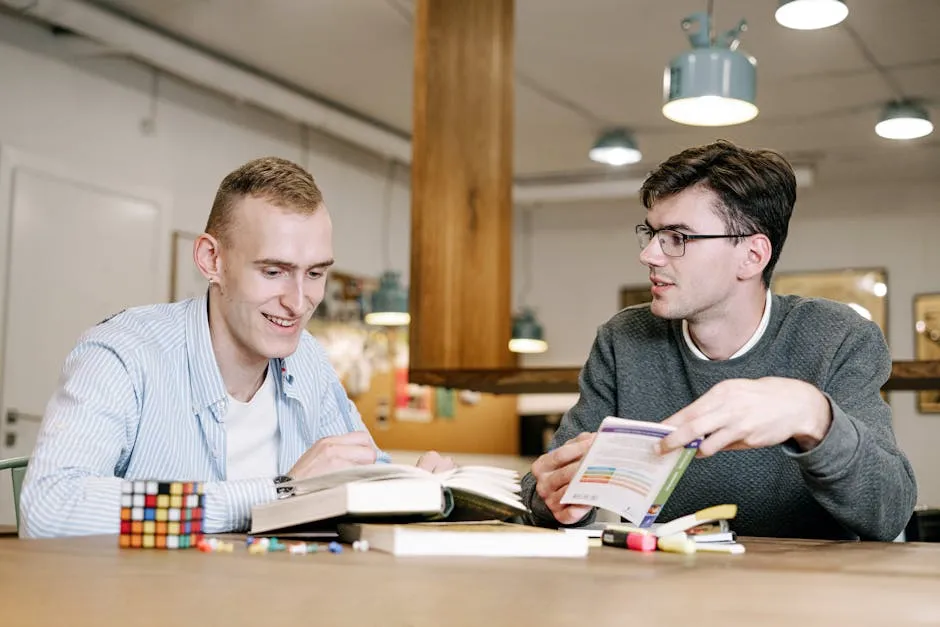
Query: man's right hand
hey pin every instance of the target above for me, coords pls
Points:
(553, 472)
(334, 453)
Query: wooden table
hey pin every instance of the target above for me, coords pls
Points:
(89, 581)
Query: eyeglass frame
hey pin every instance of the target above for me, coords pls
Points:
(686, 237)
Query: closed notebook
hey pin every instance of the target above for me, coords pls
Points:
(469, 539)
(394, 493)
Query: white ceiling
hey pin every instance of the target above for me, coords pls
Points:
(583, 65)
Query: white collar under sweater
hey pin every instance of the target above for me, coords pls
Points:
(764, 321)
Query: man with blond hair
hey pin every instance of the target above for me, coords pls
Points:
(228, 389)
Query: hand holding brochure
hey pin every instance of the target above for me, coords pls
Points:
(623, 473)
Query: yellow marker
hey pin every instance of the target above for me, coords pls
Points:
(676, 543)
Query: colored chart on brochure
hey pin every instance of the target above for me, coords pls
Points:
(623, 473)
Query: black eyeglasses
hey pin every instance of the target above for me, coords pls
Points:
(673, 242)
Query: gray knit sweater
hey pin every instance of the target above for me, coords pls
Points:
(854, 484)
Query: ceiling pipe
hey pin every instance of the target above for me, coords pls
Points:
(186, 62)
(176, 58)
(571, 191)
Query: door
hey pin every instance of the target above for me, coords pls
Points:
(76, 253)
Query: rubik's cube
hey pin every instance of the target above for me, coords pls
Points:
(161, 515)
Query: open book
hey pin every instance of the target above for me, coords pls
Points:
(393, 493)
(623, 473)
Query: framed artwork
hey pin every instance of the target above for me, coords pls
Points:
(865, 290)
(635, 295)
(347, 297)
(186, 281)
(927, 344)
(355, 349)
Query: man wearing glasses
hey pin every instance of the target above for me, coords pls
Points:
(783, 390)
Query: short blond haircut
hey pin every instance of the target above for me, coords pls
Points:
(281, 182)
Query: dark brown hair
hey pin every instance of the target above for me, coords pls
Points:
(756, 189)
(281, 182)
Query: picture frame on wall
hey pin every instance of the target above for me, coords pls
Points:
(635, 295)
(927, 344)
(186, 281)
(863, 289)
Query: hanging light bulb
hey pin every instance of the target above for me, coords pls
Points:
(811, 14)
(713, 84)
(389, 302)
(527, 333)
(904, 120)
(615, 147)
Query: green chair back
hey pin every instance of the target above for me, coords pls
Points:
(17, 466)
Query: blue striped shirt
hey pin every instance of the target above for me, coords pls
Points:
(141, 397)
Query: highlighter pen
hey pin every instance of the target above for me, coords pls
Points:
(677, 543)
(629, 540)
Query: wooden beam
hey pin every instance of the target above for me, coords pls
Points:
(905, 375)
(914, 375)
(461, 186)
(502, 380)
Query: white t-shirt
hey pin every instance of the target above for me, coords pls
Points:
(764, 321)
(251, 434)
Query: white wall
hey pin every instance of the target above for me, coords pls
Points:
(84, 115)
(87, 112)
(584, 254)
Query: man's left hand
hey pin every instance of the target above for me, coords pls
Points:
(751, 413)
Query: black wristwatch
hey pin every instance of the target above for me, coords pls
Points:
(283, 491)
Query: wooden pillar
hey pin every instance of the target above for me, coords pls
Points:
(461, 186)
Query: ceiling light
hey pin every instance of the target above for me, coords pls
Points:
(389, 303)
(527, 334)
(616, 147)
(811, 14)
(904, 120)
(713, 84)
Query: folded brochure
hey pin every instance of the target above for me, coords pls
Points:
(623, 472)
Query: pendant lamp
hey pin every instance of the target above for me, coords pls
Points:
(389, 302)
(713, 84)
(810, 14)
(615, 147)
(389, 306)
(527, 333)
(904, 119)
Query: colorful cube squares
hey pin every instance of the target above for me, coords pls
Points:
(161, 514)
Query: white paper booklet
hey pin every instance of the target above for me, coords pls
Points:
(623, 473)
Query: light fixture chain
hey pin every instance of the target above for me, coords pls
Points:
(526, 256)
(387, 213)
(710, 11)
(892, 83)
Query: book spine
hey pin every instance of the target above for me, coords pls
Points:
(685, 458)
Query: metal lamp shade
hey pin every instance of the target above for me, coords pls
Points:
(527, 334)
(904, 120)
(810, 14)
(710, 87)
(389, 303)
(616, 147)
